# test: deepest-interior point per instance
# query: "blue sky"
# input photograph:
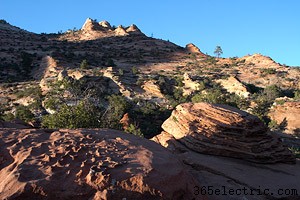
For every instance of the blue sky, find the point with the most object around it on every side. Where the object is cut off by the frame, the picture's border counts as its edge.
(240, 27)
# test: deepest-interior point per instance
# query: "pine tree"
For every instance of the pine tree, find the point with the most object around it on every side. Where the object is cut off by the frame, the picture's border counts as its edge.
(218, 51)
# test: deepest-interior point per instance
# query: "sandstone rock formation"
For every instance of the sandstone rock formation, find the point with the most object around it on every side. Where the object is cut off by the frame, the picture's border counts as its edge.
(125, 121)
(49, 71)
(225, 131)
(260, 61)
(191, 48)
(105, 24)
(189, 84)
(152, 89)
(288, 115)
(90, 25)
(233, 85)
(205, 136)
(120, 31)
(88, 164)
(133, 29)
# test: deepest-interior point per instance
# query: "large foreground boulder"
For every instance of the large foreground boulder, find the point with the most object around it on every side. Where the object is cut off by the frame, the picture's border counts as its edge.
(225, 131)
(88, 164)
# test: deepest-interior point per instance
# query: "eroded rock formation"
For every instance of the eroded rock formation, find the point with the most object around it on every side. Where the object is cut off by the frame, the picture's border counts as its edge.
(233, 85)
(225, 131)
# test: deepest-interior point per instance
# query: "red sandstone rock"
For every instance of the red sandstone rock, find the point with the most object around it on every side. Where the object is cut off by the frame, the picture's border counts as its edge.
(88, 164)
(288, 115)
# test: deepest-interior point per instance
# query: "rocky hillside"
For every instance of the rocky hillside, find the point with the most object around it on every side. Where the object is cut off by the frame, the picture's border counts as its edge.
(41, 74)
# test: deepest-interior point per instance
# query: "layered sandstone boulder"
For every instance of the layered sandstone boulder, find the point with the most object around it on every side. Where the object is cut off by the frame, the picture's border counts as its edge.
(225, 131)
(88, 164)
(288, 116)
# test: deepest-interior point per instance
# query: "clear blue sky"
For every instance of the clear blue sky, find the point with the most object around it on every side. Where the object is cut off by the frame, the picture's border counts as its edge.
(240, 27)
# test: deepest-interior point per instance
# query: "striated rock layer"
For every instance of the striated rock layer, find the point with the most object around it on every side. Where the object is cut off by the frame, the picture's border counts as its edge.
(225, 131)
(88, 164)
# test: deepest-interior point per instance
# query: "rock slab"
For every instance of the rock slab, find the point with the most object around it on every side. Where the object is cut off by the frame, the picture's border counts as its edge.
(88, 164)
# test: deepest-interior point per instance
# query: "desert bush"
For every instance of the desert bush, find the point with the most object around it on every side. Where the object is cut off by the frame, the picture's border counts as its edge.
(273, 125)
(270, 93)
(117, 107)
(84, 64)
(134, 129)
(83, 115)
(121, 72)
(212, 95)
(297, 95)
(31, 91)
(134, 70)
(23, 113)
(266, 71)
(295, 151)
(7, 117)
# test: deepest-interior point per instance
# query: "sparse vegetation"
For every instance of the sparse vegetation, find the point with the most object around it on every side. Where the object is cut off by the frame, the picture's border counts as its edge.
(84, 64)
(133, 129)
(134, 70)
(83, 115)
(23, 113)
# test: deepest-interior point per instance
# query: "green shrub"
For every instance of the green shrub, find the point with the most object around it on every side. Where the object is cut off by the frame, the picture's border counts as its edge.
(8, 117)
(84, 64)
(266, 71)
(31, 91)
(213, 95)
(121, 72)
(261, 110)
(134, 70)
(295, 151)
(23, 113)
(117, 107)
(83, 115)
(133, 129)
(52, 103)
(297, 95)
(273, 125)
